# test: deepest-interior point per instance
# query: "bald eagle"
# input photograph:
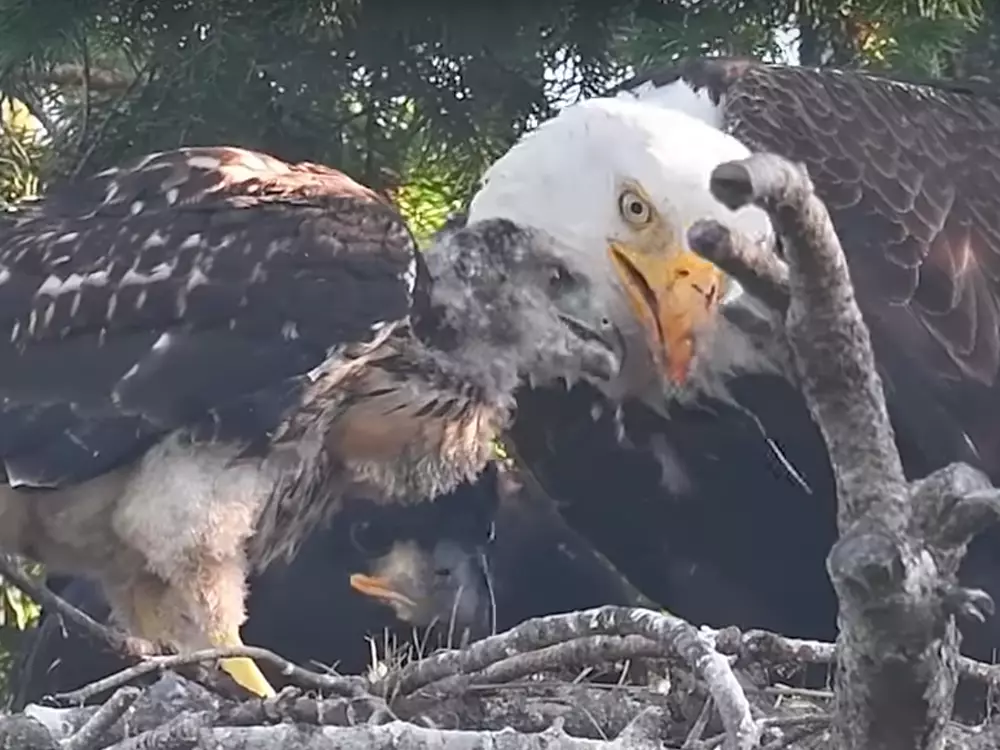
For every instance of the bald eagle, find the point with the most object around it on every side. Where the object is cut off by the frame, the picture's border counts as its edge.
(602, 176)
(206, 348)
(908, 171)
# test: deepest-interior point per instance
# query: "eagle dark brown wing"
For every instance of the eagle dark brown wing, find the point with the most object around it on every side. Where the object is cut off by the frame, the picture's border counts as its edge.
(911, 174)
(189, 288)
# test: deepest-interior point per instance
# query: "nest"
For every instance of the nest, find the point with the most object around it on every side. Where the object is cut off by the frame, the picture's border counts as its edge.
(895, 667)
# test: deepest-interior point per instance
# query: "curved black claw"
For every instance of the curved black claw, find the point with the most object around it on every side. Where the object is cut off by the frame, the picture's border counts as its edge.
(289, 694)
(969, 604)
(49, 701)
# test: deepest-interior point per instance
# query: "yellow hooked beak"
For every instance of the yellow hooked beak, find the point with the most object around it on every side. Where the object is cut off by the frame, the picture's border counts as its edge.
(674, 293)
(380, 588)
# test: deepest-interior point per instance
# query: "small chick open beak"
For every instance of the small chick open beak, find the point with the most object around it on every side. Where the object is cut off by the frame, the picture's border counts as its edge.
(674, 293)
(380, 588)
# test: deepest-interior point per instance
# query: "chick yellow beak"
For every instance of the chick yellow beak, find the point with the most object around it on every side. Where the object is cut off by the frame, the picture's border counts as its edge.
(674, 293)
(379, 588)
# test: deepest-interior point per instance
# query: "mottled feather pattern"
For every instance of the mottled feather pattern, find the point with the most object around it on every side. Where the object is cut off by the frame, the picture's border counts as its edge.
(397, 423)
(190, 288)
(242, 355)
(168, 242)
(909, 183)
(412, 417)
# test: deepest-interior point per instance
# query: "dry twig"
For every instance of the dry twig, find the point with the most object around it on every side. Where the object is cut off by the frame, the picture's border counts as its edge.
(590, 651)
(91, 733)
(675, 636)
(352, 687)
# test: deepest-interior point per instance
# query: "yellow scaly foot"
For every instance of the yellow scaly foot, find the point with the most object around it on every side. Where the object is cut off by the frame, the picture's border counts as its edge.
(245, 671)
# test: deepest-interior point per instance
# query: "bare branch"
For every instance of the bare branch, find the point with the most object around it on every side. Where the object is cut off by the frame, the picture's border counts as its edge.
(74, 75)
(188, 732)
(580, 652)
(122, 644)
(347, 686)
(92, 733)
(895, 565)
(830, 341)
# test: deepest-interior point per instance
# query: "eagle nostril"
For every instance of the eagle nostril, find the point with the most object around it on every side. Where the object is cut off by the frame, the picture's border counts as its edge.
(709, 293)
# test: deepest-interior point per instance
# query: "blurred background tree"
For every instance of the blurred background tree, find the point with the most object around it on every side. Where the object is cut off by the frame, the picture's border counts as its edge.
(413, 99)
(924, 38)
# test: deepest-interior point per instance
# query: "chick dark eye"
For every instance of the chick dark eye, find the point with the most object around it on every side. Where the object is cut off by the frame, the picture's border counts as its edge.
(366, 538)
(779, 249)
(359, 532)
(442, 572)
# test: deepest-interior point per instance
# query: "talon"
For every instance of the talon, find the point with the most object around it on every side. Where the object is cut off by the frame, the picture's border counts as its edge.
(970, 604)
(290, 693)
(142, 648)
(248, 674)
(243, 670)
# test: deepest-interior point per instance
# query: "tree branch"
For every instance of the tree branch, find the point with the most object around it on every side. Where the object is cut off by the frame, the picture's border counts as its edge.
(122, 644)
(75, 75)
(830, 341)
(91, 733)
(187, 732)
(895, 565)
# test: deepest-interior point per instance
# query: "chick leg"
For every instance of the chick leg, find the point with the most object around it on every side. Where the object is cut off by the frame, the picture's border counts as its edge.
(203, 611)
(214, 595)
(139, 608)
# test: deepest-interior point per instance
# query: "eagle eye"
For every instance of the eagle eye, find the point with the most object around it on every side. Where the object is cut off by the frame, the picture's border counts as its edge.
(634, 209)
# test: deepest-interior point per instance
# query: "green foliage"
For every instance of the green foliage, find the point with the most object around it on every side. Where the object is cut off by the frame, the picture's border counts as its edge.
(355, 85)
(20, 152)
(16, 610)
(915, 37)
(728, 27)
(17, 614)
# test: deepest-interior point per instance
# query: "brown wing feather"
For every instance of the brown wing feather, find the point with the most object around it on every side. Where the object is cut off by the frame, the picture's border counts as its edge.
(910, 174)
(186, 287)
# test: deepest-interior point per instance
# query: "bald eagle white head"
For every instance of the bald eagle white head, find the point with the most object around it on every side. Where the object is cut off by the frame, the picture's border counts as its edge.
(621, 182)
